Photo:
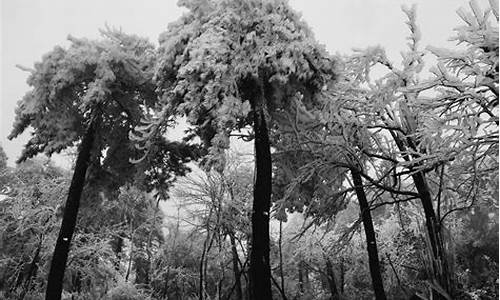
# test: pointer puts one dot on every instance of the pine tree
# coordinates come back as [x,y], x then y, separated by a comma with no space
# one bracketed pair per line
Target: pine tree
[94,93]
[227,65]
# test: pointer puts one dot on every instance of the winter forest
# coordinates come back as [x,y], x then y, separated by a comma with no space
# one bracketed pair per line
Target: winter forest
[300,173]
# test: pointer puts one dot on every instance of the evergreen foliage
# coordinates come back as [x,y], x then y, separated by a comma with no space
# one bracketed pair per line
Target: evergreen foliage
[412,158]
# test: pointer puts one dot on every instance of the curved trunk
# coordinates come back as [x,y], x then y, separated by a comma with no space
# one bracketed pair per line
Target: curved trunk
[371,242]
[60,256]
[260,271]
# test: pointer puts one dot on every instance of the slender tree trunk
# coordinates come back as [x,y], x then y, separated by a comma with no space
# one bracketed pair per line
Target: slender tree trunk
[60,257]
[371,242]
[131,254]
[331,280]
[301,290]
[440,267]
[280,244]
[307,281]
[342,276]
[439,264]
[260,271]
[202,261]
[236,268]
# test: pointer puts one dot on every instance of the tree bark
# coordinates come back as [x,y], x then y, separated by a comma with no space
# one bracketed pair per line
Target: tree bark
[371,242]
[61,251]
[260,271]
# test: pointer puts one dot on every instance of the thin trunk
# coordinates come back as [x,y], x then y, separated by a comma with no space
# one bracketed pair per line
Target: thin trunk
[202,262]
[396,273]
[371,242]
[129,267]
[260,271]
[439,264]
[60,257]
[207,246]
[331,280]
[236,267]
[242,269]
[301,280]
[342,276]
[304,283]
[221,266]
[276,284]
[440,267]
[280,243]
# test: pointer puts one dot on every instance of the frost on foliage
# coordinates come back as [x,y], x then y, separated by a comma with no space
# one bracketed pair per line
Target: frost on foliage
[206,57]
[307,185]
[458,106]
[112,75]
[309,160]
[466,81]
[479,37]
[352,112]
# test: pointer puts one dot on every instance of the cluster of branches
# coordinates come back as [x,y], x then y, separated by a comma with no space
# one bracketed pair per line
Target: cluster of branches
[336,134]
[401,137]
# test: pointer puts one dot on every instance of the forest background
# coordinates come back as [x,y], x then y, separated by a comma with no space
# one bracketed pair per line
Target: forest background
[461,261]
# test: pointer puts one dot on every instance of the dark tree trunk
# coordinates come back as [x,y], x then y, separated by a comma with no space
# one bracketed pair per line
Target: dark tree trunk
[342,276]
[236,268]
[440,267]
[371,242]
[60,257]
[260,271]
[439,264]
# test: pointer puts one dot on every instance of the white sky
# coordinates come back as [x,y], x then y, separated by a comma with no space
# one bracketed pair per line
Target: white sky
[30,28]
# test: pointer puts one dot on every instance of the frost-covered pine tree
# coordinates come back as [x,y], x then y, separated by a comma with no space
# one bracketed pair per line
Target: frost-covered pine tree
[228,65]
[92,94]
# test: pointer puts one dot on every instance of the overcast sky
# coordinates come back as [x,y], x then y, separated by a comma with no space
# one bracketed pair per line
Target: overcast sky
[30,28]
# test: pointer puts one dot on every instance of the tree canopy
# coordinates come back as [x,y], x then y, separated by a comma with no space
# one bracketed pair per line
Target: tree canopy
[368,179]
